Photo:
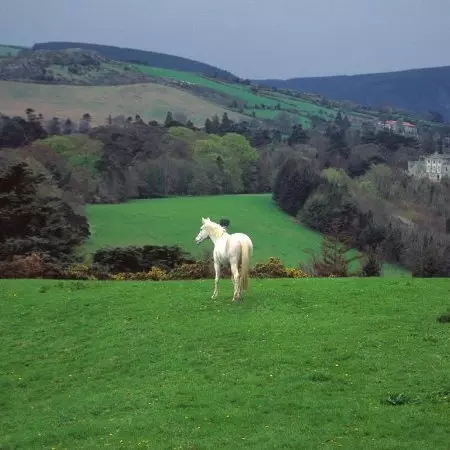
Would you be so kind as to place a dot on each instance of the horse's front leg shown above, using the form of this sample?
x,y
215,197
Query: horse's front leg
x,y
216,279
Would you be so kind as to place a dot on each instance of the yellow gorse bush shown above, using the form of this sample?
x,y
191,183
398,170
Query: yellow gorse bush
x,y
272,268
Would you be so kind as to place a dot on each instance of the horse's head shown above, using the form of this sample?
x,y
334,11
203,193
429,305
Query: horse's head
x,y
204,231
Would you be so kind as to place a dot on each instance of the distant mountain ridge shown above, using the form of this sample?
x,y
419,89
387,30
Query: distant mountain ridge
x,y
156,59
415,90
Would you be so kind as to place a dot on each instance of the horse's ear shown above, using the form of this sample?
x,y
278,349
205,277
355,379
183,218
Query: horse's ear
x,y
208,219
203,220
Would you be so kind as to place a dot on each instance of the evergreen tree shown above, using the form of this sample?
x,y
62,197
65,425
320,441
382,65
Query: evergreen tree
x,y
215,124
169,119
226,125
67,127
208,126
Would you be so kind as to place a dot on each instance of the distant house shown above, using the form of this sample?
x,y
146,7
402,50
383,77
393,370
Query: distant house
x,y
434,167
406,129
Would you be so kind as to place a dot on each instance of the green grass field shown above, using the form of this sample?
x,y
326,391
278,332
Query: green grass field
x,y
178,220
244,93
9,50
300,364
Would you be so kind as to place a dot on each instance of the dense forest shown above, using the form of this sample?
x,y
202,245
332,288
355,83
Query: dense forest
x,y
140,56
348,182
421,91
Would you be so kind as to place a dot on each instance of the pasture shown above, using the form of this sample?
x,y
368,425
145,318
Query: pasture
x,y
150,100
306,363
9,50
244,93
177,220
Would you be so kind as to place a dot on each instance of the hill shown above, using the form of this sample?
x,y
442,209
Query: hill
x,y
151,101
177,221
88,66
71,66
140,56
10,50
309,101
259,103
298,364
416,90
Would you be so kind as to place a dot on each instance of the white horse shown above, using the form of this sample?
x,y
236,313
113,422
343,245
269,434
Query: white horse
x,y
236,249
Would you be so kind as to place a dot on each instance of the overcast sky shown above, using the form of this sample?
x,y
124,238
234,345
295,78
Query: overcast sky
x,y
251,38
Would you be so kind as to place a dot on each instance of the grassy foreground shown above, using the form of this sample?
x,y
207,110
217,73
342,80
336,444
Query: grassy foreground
x,y
178,220
298,364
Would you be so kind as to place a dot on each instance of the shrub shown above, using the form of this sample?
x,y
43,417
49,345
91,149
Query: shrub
x,y
192,271
157,274
30,266
444,318
140,259
293,272
80,271
154,274
333,260
371,266
224,222
274,268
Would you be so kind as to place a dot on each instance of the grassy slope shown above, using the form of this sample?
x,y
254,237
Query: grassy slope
x,y
177,221
150,100
7,50
297,364
244,93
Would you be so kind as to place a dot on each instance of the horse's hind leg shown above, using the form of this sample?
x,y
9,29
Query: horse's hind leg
x,y
216,279
235,278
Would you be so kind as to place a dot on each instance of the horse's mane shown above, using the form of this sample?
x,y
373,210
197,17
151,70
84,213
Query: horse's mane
x,y
215,227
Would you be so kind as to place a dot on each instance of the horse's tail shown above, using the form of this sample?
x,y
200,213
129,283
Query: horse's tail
x,y
245,263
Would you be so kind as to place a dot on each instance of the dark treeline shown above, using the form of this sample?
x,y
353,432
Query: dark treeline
x,y
331,178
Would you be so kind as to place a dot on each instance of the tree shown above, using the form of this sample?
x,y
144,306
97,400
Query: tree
x,y
295,181
298,136
215,124
284,122
334,258
32,222
371,265
54,127
208,126
67,127
85,123
226,125
169,119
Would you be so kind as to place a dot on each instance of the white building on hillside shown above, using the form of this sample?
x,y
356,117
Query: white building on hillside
x,y
435,167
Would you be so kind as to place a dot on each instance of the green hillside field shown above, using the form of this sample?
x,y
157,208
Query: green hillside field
x,y
298,364
244,93
9,50
177,221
